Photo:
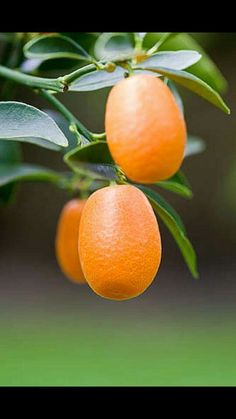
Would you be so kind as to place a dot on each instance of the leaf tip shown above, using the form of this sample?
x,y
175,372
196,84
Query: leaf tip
x,y
65,143
195,273
189,195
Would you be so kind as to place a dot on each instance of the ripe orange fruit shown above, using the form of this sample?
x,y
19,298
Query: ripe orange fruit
x,y
67,240
145,128
119,242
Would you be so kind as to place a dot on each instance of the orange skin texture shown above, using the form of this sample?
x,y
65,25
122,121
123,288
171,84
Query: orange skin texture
x,y
67,240
119,242
145,129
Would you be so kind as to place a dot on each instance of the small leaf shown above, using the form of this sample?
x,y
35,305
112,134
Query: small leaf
x,y
92,160
21,122
191,82
25,172
112,46
99,79
162,209
177,96
177,184
163,204
55,46
194,145
181,178
176,60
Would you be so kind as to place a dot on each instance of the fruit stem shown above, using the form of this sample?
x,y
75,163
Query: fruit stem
x,y
138,41
127,66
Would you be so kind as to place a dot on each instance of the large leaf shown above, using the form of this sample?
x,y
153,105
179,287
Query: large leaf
x,y
112,46
55,46
176,60
21,122
162,209
10,153
26,172
205,69
92,160
99,79
193,83
178,184
63,124
194,145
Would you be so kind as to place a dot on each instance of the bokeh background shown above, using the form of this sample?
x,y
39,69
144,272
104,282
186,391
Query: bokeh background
x,y
181,331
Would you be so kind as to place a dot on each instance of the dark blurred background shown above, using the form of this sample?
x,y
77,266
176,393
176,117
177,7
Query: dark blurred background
x,y
181,331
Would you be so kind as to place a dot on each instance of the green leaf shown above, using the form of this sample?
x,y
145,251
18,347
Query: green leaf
x,y
194,145
112,46
10,153
181,177
162,209
55,46
26,172
176,60
85,39
99,79
177,96
193,83
92,160
162,203
21,122
177,184
205,69
63,124
164,38
56,67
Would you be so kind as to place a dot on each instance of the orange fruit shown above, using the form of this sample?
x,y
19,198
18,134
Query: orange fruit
x,y
145,128
67,240
119,242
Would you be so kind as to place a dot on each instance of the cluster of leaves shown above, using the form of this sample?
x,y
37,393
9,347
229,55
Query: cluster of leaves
x,y
96,61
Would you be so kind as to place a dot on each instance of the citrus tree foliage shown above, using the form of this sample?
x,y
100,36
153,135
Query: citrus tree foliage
x,y
85,62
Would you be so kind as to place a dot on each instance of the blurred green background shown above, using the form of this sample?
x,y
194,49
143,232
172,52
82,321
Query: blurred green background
x,y
181,331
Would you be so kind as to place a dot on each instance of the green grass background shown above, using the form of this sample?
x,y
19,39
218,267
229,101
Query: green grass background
x,y
84,349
